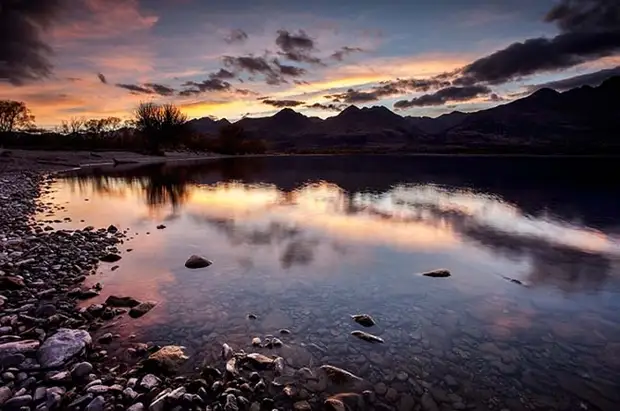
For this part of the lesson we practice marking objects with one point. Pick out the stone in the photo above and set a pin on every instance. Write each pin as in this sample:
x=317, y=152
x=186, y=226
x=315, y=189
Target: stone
x=130, y=393
x=106, y=338
x=196, y=261
x=406, y=403
x=276, y=342
x=116, y=301
x=5, y=394
x=39, y=394
x=231, y=403
x=256, y=342
x=81, y=370
x=369, y=396
x=439, y=273
x=62, y=346
x=62, y=376
x=97, y=404
x=364, y=320
x=451, y=381
x=380, y=388
x=285, y=331
x=367, y=337
x=428, y=403
x=391, y=395
x=142, y=308
x=168, y=358
x=98, y=389
x=402, y=376
x=161, y=227
x=112, y=229
x=149, y=381
x=23, y=347
x=136, y=407
x=260, y=361
x=18, y=402
x=11, y=283
x=302, y=406
x=110, y=258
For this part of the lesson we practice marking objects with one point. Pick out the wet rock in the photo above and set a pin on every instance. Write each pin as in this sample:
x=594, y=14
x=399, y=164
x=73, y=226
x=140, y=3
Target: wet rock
x=11, y=283
x=276, y=342
x=98, y=389
x=364, y=320
x=278, y=365
x=231, y=403
x=161, y=227
x=130, y=394
x=302, y=406
x=369, y=396
x=110, y=258
x=196, y=261
x=112, y=229
x=136, y=407
x=17, y=402
x=260, y=361
x=428, y=403
x=391, y=395
x=116, y=301
x=367, y=337
x=285, y=331
x=168, y=358
x=81, y=370
x=5, y=394
x=381, y=388
x=451, y=381
x=63, y=376
x=252, y=316
x=149, y=381
x=439, y=273
x=227, y=351
x=142, y=308
x=402, y=376
x=256, y=342
x=339, y=376
x=344, y=402
x=106, y=338
x=62, y=346
x=406, y=403
x=96, y=404
x=23, y=347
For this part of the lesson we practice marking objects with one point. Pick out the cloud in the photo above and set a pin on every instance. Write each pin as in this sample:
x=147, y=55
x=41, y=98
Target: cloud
x=495, y=98
x=590, y=29
x=443, y=96
x=327, y=107
x=282, y=103
x=590, y=79
x=212, y=84
x=296, y=47
x=147, y=88
x=222, y=74
x=102, y=78
x=24, y=50
x=273, y=70
x=352, y=96
x=345, y=51
x=236, y=36
x=291, y=71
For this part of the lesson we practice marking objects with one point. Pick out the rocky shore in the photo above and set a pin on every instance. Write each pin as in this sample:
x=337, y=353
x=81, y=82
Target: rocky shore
x=50, y=359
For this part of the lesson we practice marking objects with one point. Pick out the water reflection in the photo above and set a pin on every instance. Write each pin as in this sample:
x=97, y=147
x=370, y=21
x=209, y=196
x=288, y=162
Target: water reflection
x=304, y=242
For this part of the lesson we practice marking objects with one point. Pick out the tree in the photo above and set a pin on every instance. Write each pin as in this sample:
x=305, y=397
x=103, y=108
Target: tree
x=14, y=115
x=75, y=125
x=160, y=125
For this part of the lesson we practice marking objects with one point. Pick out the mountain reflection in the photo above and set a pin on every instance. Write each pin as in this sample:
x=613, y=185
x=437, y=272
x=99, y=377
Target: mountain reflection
x=301, y=213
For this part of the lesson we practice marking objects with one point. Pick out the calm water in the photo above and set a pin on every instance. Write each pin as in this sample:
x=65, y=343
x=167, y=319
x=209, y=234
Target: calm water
x=303, y=242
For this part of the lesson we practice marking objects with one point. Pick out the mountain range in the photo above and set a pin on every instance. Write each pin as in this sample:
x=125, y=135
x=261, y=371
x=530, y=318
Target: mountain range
x=582, y=119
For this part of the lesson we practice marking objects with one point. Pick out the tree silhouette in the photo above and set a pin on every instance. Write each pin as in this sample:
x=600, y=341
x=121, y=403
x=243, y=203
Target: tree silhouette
x=160, y=125
x=14, y=115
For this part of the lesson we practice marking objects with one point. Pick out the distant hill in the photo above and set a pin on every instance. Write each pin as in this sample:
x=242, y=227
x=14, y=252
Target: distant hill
x=585, y=117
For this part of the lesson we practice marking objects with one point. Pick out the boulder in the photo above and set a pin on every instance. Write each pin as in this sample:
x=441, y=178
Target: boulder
x=364, y=320
x=9, y=349
x=440, y=273
x=62, y=346
x=116, y=301
x=196, y=261
x=168, y=359
x=141, y=309
x=110, y=258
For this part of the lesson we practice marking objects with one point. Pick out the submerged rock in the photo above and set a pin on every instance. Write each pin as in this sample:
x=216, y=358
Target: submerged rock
x=367, y=337
x=227, y=352
x=169, y=358
x=439, y=273
x=364, y=320
x=110, y=258
x=116, y=301
x=338, y=375
x=196, y=261
x=62, y=346
x=260, y=361
x=142, y=308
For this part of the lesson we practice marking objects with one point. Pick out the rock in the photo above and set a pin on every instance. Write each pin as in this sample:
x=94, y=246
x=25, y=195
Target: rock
x=252, y=316
x=227, y=352
x=363, y=319
x=136, y=407
x=62, y=346
x=141, y=309
x=161, y=227
x=406, y=403
x=260, y=361
x=334, y=404
x=256, y=342
x=196, y=261
x=339, y=376
x=81, y=370
x=116, y=301
x=231, y=403
x=17, y=402
x=98, y=389
x=440, y=273
x=23, y=347
x=11, y=283
x=130, y=393
x=285, y=331
x=96, y=405
x=110, y=258
x=5, y=394
x=231, y=366
x=302, y=406
x=391, y=395
x=106, y=338
x=402, y=376
x=369, y=396
x=112, y=229
x=159, y=403
x=428, y=403
x=149, y=381
x=168, y=358
x=39, y=394
x=450, y=381
x=276, y=342
x=380, y=388
x=278, y=365
x=367, y=337
x=46, y=310
x=345, y=402
x=62, y=376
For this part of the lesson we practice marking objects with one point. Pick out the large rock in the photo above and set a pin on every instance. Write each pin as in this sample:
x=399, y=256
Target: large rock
x=23, y=347
x=116, y=301
x=110, y=258
x=168, y=359
x=197, y=261
x=141, y=309
x=62, y=346
x=440, y=273
x=11, y=283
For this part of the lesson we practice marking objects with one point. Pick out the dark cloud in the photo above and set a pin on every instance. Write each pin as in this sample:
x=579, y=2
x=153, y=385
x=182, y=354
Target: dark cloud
x=250, y=64
x=212, y=84
x=442, y=96
x=296, y=47
x=222, y=74
x=388, y=89
x=301, y=82
x=327, y=107
x=352, y=96
x=590, y=79
x=245, y=92
x=345, y=51
x=590, y=29
x=24, y=49
x=102, y=78
x=282, y=103
x=236, y=36
x=291, y=71
x=147, y=88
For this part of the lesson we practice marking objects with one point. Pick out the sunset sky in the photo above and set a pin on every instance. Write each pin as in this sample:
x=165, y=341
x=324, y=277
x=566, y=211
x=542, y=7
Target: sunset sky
x=96, y=58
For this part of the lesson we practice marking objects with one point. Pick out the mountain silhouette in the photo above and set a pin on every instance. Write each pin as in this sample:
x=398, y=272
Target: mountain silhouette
x=587, y=117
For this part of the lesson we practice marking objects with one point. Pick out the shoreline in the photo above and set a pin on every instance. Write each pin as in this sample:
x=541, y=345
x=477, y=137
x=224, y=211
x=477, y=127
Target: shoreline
x=53, y=357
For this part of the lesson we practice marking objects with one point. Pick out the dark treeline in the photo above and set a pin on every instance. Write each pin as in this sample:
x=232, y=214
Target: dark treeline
x=152, y=129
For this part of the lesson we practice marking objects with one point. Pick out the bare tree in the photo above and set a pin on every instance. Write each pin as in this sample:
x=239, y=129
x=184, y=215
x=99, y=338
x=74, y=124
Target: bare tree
x=75, y=125
x=14, y=115
x=160, y=125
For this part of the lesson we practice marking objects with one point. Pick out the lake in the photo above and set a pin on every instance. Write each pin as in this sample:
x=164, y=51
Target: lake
x=528, y=319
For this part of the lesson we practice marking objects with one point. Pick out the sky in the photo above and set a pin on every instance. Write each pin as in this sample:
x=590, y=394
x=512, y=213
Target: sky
x=99, y=58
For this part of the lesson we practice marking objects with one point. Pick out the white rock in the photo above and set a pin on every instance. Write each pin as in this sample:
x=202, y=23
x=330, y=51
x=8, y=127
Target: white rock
x=62, y=346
